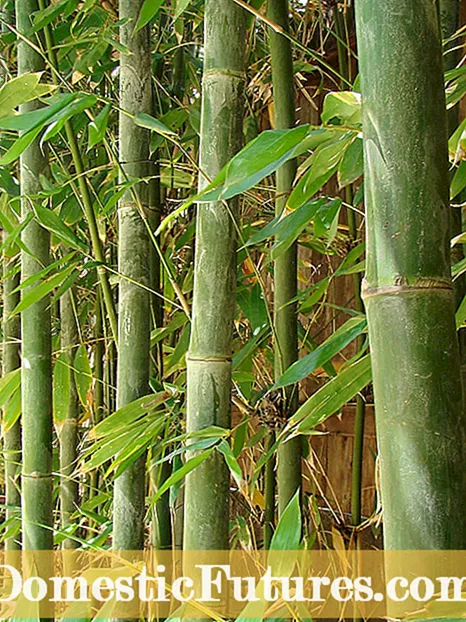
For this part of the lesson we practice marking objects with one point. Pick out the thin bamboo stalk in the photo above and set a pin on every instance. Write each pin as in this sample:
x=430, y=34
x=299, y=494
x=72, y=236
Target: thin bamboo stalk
x=161, y=516
x=360, y=414
x=269, y=493
x=209, y=359
x=87, y=205
x=68, y=429
x=408, y=294
x=286, y=266
x=11, y=361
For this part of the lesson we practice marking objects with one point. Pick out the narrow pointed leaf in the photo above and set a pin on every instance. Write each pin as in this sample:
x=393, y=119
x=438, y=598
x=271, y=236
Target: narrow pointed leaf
x=9, y=383
x=149, y=10
x=82, y=373
x=150, y=123
x=324, y=353
x=181, y=473
x=42, y=289
x=332, y=396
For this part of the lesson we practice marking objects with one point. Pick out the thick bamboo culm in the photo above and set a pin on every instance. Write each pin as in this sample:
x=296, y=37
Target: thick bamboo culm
x=134, y=251
x=408, y=294
x=209, y=359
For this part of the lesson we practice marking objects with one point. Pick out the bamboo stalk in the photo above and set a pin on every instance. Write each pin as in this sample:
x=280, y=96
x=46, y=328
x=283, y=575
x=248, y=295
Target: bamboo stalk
x=210, y=351
x=407, y=289
x=36, y=380
x=68, y=429
x=286, y=266
x=269, y=493
x=87, y=205
x=360, y=414
x=99, y=354
x=161, y=516
x=11, y=361
x=134, y=262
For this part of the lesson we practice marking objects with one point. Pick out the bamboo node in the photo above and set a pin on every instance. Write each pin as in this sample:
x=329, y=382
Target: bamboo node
x=229, y=73
x=37, y=475
x=132, y=205
x=209, y=359
x=402, y=286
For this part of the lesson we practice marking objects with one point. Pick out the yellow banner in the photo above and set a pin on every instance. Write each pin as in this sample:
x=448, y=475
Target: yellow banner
x=245, y=584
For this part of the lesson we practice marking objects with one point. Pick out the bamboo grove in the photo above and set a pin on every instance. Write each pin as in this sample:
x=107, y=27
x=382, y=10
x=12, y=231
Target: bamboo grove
x=227, y=232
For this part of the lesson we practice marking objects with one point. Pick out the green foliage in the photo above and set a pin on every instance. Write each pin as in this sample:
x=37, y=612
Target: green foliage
x=324, y=353
x=76, y=117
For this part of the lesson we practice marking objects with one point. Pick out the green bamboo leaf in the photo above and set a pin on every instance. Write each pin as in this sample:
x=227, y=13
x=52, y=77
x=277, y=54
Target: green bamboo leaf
x=460, y=316
x=181, y=473
x=41, y=290
x=179, y=352
x=60, y=118
x=351, y=166
x=61, y=387
x=149, y=10
x=287, y=536
x=324, y=164
x=287, y=224
x=82, y=373
x=150, y=123
x=50, y=221
x=99, y=453
x=262, y=157
x=259, y=158
x=247, y=350
x=20, y=145
x=324, y=353
x=252, y=304
x=205, y=443
x=29, y=121
x=224, y=448
x=311, y=345
x=318, y=291
x=344, y=107
x=458, y=182
x=181, y=6
x=129, y=413
x=239, y=438
x=98, y=127
x=135, y=447
x=20, y=90
x=66, y=285
x=211, y=431
x=14, y=234
x=268, y=231
x=293, y=225
x=43, y=273
x=11, y=412
x=9, y=383
x=457, y=142
x=52, y=11
x=331, y=397
x=8, y=183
